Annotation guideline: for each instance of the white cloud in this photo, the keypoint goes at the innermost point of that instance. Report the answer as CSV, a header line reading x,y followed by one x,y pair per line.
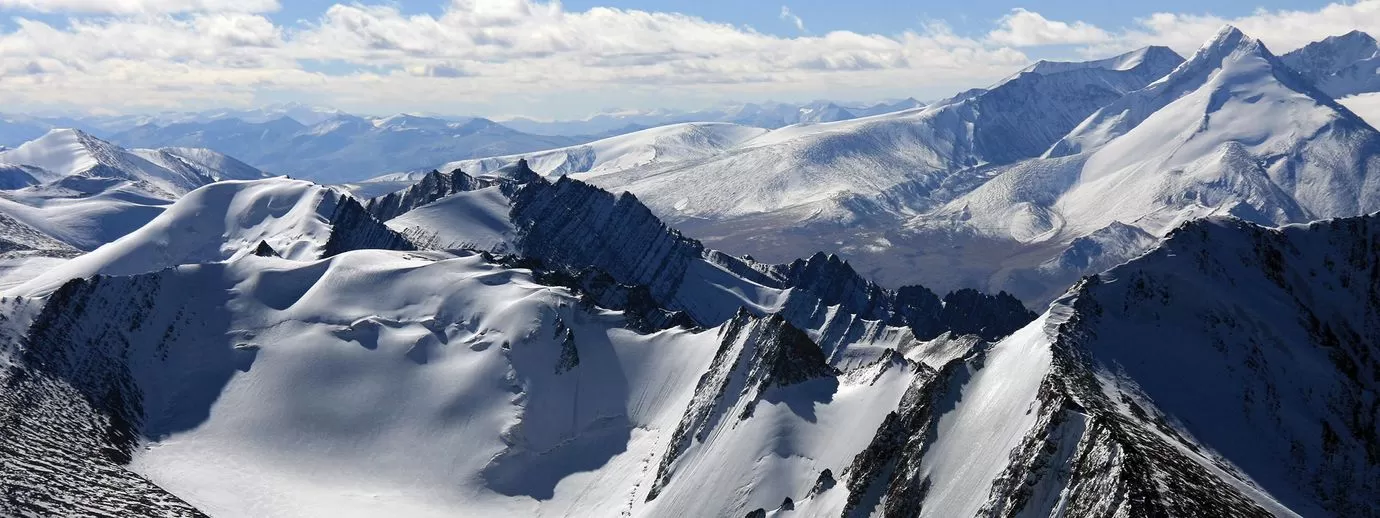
x,y
493,56
141,6
1282,30
795,20
1022,28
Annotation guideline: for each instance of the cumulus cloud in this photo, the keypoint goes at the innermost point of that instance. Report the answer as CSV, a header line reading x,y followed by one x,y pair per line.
x,y
1022,28
141,6
135,54
790,17
1282,30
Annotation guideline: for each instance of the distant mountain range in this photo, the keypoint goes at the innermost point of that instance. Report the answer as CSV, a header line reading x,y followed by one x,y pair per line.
x,y
770,115
1060,170
333,146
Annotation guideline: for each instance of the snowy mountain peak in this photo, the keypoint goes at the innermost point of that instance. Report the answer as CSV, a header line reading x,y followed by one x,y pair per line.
x,y
1231,65
68,153
1339,65
1123,62
1229,44
1228,38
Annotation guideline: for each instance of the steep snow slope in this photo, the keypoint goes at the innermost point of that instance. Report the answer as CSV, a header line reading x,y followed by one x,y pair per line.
x,y
82,214
914,151
1259,345
647,148
1227,373
297,219
200,163
1339,65
558,411
19,176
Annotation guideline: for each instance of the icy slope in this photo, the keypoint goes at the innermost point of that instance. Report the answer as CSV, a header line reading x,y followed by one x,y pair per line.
x,y
297,219
473,220
1223,374
575,226
614,248
426,189
1162,57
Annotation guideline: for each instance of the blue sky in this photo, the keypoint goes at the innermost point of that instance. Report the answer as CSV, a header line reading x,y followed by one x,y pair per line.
x,y
883,16
531,58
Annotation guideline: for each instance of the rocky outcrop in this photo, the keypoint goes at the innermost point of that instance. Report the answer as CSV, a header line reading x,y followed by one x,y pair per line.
x,y
433,186
1233,356
265,250
886,473
575,226
756,354
970,312
71,413
353,228
599,289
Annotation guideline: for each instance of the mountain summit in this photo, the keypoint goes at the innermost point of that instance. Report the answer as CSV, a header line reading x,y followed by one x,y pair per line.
x,y
1339,65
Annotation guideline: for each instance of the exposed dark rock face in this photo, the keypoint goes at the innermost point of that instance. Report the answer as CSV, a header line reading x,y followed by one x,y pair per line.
x,y
71,413
599,289
574,226
970,312
570,355
1275,337
755,353
353,228
824,482
887,471
433,186
265,250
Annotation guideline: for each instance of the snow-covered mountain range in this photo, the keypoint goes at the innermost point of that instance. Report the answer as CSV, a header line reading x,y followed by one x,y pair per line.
x,y
769,115
1058,171
330,145
69,192
343,147
606,363
687,321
